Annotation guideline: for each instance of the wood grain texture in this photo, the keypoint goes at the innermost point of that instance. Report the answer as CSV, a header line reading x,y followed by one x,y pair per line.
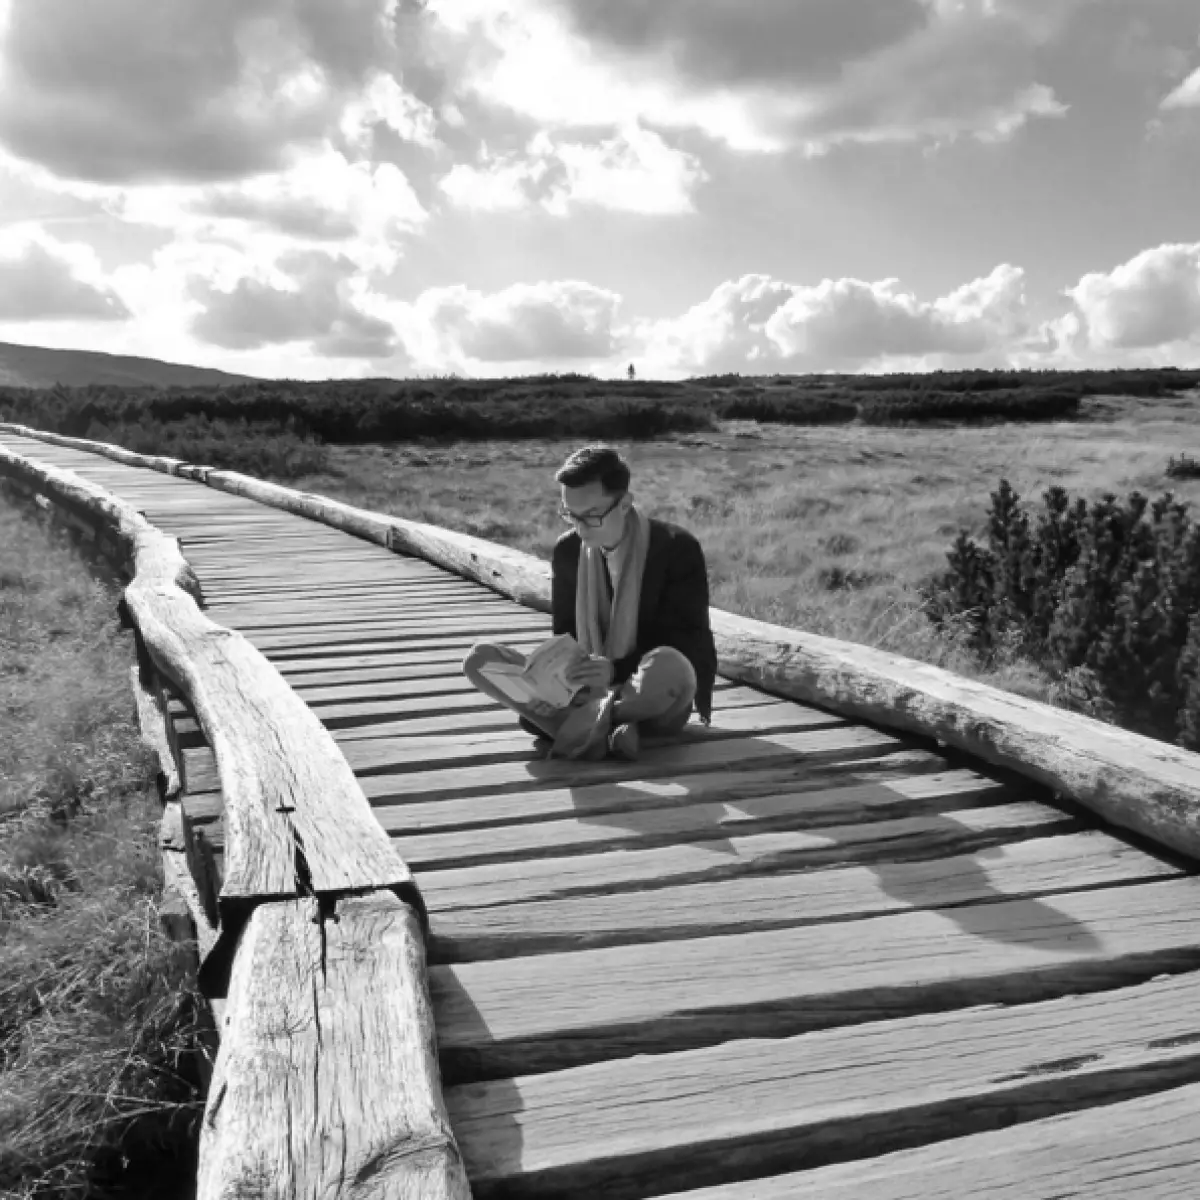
x,y
754,1107
1036,867
697,852
326,1083
1144,1148
548,1012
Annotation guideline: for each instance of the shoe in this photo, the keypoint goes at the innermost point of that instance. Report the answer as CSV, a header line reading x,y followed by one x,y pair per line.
x,y
624,742
584,734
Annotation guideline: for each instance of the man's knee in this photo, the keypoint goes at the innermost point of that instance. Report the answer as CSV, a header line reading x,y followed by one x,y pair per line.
x,y
665,668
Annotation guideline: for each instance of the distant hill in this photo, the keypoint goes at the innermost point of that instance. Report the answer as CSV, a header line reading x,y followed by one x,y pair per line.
x,y
37,367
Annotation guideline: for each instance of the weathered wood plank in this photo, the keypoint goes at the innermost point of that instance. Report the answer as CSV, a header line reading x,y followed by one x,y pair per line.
x,y
755,1107
1037,867
527,1015
729,754
1145,1148
441,764
326,1082
742,714
782,838
911,777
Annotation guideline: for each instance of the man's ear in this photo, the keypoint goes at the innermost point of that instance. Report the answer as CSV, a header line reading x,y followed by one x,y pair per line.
x,y
627,502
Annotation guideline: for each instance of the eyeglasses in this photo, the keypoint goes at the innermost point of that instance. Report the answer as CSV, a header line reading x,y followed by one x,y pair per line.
x,y
590,520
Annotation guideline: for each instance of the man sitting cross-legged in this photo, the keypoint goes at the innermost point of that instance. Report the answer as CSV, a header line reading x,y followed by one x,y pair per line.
x,y
633,591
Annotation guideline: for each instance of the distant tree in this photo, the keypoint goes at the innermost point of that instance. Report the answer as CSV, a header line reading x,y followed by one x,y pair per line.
x,y
631,372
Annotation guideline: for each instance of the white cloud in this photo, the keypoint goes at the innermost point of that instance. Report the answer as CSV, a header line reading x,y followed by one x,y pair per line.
x,y
1150,301
816,75
758,323
43,279
120,91
633,171
384,102
546,322
1186,95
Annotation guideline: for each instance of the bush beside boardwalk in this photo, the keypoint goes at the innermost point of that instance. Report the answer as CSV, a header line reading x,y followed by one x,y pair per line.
x,y
98,1096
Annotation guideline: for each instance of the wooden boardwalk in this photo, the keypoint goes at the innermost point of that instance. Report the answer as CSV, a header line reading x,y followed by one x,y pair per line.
x,y
791,956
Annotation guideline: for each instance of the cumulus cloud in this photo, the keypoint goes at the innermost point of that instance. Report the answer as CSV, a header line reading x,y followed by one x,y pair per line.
x,y
814,74
1186,95
42,279
764,324
1150,301
306,298
551,321
123,91
634,171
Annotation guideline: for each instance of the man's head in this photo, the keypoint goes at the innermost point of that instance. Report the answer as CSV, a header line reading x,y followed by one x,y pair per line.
x,y
595,486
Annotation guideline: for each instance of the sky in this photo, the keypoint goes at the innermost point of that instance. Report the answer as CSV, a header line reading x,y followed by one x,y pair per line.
x,y
314,189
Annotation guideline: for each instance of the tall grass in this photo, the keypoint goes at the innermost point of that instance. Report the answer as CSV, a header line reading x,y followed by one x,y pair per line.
x,y
98,1093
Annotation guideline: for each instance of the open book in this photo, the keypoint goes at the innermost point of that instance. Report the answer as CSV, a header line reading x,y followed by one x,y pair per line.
x,y
543,677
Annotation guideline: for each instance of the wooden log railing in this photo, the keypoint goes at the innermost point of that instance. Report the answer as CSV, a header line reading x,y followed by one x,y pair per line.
x,y
1138,783
325,1081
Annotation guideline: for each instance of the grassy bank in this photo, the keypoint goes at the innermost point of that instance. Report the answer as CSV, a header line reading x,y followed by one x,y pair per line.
x,y
97,1097
830,529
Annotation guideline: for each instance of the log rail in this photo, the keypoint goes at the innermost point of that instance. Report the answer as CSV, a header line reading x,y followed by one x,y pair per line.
x,y
642,1022
297,1100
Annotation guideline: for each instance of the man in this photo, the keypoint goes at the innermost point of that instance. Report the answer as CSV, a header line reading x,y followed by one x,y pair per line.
x,y
633,591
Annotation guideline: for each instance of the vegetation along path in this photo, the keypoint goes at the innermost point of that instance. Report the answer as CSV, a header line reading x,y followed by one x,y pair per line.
x,y
793,955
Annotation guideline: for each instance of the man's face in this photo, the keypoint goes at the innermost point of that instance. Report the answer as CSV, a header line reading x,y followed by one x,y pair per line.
x,y
591,500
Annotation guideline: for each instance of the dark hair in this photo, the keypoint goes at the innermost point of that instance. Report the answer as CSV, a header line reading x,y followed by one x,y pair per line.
x,y
595,462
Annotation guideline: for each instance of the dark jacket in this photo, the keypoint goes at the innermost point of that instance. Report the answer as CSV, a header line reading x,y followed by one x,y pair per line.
x,y
672,610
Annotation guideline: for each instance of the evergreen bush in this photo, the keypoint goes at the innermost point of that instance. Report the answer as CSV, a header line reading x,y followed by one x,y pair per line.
x,y
1106,596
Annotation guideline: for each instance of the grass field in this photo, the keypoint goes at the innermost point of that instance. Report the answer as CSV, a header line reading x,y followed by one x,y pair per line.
x,y
829,529
96,1098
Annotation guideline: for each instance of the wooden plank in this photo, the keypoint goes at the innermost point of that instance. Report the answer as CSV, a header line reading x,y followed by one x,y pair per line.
x,y
744,717
1145,1147
415,637
719,754
715,841
510,759
326,1076
366,631
440,650
548,1012
1037,867
754,1107
799,784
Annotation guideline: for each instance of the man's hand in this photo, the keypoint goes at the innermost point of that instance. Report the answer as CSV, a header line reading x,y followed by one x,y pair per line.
x,y
594,673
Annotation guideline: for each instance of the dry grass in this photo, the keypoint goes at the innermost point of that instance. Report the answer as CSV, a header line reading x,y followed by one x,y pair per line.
x,y
829,529
96,1006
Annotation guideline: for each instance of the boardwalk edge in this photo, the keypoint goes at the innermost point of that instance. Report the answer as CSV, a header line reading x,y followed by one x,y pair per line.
x,y
293,947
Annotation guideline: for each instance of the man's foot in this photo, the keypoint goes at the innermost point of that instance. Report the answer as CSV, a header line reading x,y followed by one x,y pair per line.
x,y
624,742
584,734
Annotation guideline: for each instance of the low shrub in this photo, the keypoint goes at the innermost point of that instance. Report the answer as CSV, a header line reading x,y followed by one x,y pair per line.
x,y
1106,596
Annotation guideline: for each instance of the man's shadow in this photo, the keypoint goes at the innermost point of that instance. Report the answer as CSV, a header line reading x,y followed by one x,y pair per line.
x,y
717,789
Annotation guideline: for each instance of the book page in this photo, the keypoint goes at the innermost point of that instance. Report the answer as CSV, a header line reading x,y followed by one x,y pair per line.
x,y
546,669
510,679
